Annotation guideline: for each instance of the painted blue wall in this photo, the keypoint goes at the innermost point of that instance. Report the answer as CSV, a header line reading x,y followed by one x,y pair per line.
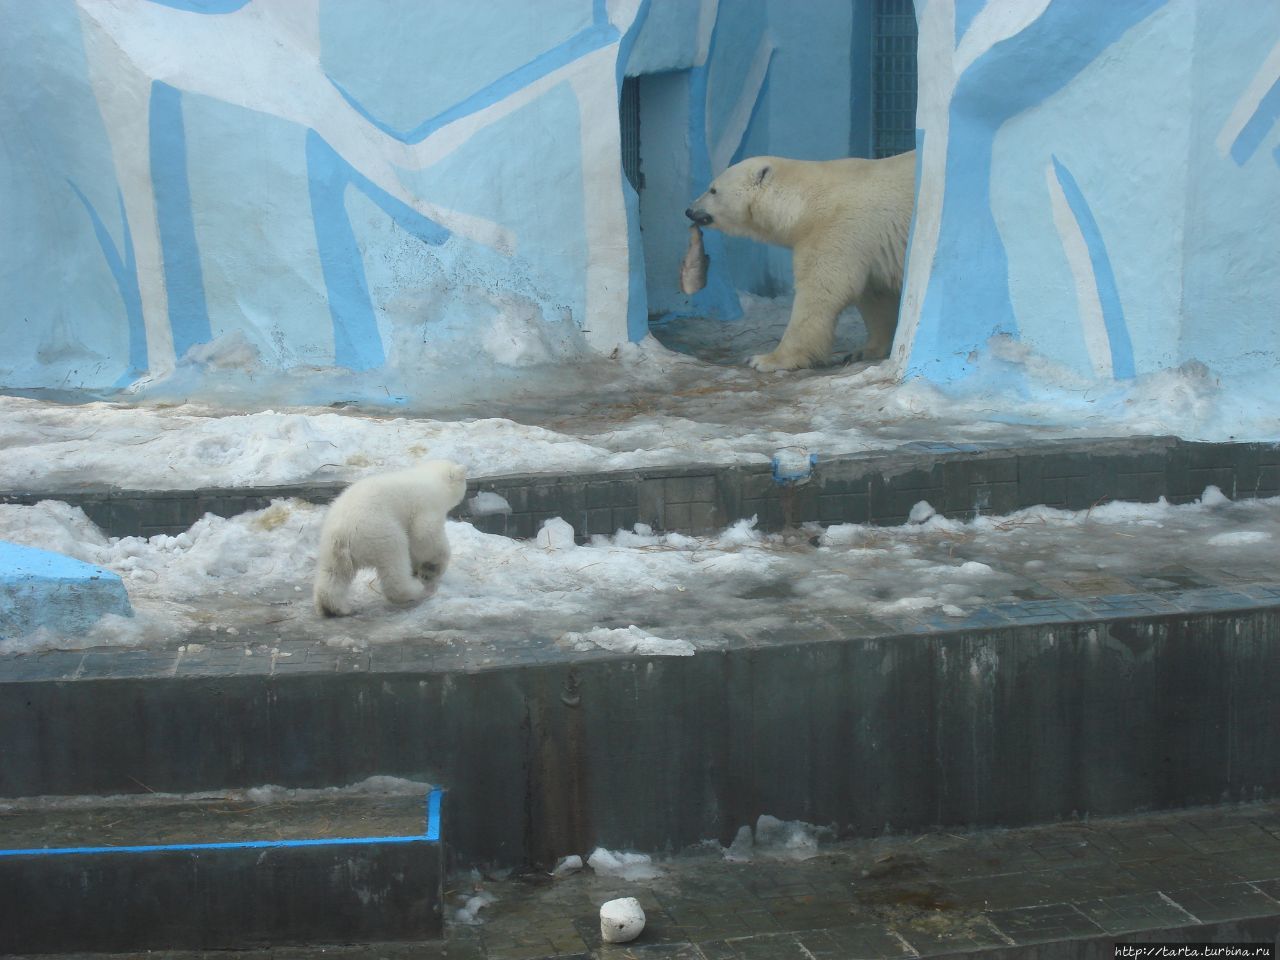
x,y
1231,278
71,316
392,188
1098,180
382,187
379,187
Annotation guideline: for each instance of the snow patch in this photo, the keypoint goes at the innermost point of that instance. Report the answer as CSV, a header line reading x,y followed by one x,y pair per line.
x,y
1238,538
742,533
567,866
625,866
629,640
487,503
556,534
469,913
775,839
1213,497
921,512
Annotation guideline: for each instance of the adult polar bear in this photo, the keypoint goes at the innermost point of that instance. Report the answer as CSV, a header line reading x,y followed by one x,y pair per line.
x,y
393,522
846,222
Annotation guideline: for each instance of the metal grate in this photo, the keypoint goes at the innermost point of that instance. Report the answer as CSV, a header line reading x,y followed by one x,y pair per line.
x,y
629,120
893,78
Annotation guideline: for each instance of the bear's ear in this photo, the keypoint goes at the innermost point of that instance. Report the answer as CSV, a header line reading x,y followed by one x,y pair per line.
x,y
764,172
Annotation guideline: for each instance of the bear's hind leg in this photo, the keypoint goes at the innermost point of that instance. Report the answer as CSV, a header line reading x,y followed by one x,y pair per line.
x,y
396,573
399,585
880,314
334,573
429,552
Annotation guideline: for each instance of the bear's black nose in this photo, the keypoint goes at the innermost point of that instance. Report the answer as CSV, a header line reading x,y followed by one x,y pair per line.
x,y
700,217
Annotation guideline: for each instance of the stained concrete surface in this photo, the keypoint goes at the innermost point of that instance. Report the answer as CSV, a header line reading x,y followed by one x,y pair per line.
x,y
1067,889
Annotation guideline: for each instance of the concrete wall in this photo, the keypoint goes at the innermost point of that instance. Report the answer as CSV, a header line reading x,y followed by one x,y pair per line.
x,y
314,181
409,189
376,186
1099,180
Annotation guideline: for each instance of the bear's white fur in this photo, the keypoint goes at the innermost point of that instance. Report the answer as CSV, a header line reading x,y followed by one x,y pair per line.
x,y
846,222
393,522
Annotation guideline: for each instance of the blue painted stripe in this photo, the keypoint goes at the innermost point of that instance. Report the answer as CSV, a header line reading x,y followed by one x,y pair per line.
x,y
231,845
203,6
600,12
965,11
577,46
1258,126
125,273
357,344
433,814
183,275
431,836
1122,364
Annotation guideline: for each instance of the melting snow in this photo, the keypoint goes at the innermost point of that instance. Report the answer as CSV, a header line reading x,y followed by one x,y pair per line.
x,y
625,866
775,839
630,640
247,579
647,407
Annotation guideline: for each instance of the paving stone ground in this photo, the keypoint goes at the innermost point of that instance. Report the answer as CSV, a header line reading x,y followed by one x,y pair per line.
x,y
1069,889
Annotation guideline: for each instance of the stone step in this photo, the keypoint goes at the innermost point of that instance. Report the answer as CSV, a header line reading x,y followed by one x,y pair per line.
x,y
1076,889
1014,714
221,870
876,486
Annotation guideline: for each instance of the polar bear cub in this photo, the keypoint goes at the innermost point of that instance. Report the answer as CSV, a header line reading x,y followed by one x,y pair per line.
x,y
846,222
393,522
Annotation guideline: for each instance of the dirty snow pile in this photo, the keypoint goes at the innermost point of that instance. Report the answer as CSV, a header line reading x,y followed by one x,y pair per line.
x,y
630,640
248,579
775,839
625,866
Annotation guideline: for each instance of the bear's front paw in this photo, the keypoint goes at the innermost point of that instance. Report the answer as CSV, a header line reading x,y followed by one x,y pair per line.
x,y
769,362
330,609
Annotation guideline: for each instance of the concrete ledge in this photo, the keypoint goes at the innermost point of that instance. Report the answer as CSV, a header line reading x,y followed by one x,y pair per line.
x,y
43,589
220,874
959,480
987,722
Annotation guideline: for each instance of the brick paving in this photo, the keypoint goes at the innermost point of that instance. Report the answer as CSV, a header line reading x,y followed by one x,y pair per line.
x,y
1069,889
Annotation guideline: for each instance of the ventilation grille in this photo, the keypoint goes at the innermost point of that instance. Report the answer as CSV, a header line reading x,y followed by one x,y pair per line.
x,y
893,78
629,118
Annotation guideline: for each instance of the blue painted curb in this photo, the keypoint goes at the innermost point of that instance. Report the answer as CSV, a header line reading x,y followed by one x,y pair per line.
x,y
431,835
